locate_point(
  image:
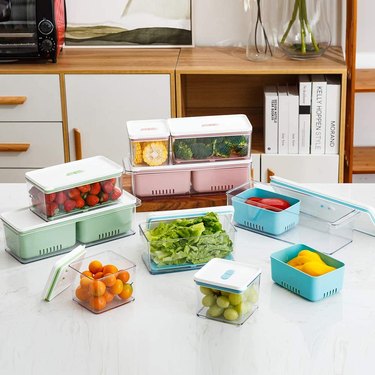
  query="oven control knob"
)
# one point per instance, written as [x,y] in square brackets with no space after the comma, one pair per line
[45,27]
[46,45]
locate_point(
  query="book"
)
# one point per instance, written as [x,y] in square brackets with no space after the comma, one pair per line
[271,120]
[332,138]
[304,123]
[293,100]
[318,113]
[283,145]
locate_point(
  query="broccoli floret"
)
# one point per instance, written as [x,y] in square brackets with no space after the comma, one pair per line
[222,149]
[201,151]
[186,141]
[242,151]
[207,141]
[182,151]
[236,140]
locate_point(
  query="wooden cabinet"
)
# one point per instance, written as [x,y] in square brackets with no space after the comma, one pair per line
[31,129]
[220,80]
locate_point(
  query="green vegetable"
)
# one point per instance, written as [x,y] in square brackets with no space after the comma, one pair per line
[223,149]
[201,150]
[195,241]
[182,150]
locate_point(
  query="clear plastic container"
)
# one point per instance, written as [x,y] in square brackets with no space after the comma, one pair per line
[149,142]
[210,138]
[163,253]
[103,281]
[74,187]
[227,291]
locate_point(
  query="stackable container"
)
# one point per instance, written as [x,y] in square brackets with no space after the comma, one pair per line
[227,291]
[210,138]
[110,287]
[74,187]
[149,142]
[313,288]
[29,238]
[162,255]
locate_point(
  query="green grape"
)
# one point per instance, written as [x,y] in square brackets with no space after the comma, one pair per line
[215,311]
[251,294]
[204,290]
[222,301]
[230,314]
[243,308]
[224,293]
[208,300]
[235,299]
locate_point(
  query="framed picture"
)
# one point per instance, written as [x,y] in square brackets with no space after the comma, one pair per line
[129,23]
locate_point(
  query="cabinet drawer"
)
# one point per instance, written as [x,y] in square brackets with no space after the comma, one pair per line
[31,144]
[301,168]
[41,95]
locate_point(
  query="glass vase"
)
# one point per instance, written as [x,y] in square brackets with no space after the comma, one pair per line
[304,32]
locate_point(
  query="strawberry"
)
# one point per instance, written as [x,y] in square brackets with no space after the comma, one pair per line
[69,205]
[116,194]
[103,197]
[112,181]
[79,202]
[52,209]
[92,200]
[60,197]
[74,193]
[50,197]
[95,188]
[107,186]
[84,188]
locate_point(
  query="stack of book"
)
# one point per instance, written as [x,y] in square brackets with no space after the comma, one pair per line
[303,118]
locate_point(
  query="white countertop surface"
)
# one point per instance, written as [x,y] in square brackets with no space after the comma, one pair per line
[160,333]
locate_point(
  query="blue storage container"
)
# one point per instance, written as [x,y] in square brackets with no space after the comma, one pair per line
[313,288]
[261,219]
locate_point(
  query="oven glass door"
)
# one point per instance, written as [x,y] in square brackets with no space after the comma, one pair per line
[18,33]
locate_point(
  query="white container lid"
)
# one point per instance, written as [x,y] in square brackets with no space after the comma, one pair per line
[227,274]
[209,125]
[75,173]
[147,129]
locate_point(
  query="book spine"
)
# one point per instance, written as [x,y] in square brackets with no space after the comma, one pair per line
[304,126]
[333,118]
[318,115]
[271,121]
[283,145]
[293,121]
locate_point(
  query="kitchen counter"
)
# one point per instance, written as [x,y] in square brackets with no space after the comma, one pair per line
[160,333]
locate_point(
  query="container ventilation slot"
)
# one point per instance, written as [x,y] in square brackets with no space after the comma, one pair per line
[249,224]
[162,192]
[109,234]
[329,293]
[289,287]
[221,187]
[51,249]
[290,226]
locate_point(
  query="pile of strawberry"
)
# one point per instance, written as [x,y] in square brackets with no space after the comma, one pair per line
[80,197]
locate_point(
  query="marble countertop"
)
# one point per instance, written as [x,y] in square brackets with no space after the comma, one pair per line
[160,333]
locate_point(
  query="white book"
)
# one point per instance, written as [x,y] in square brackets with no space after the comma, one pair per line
[333,115]
[283,145]
[293,100]
[271,120]
[304,124]
[318,113]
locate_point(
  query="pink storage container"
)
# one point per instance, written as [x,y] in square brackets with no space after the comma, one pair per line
[220,176]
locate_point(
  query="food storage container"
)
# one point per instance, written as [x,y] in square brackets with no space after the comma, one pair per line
[210,138]
[29,238]
[74,187]
[177,241]
[227,291]
[313,288]
[149,142]
[99,283]
[250,212]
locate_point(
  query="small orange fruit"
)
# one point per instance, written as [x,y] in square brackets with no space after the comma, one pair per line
[98,303]
[85,282]
[95,266]
[87,273]
[109,279]
[110,268]
[123,276]
[127,291]
[98,275]
[117,287]
[96,288]
[82,294]
[108,296]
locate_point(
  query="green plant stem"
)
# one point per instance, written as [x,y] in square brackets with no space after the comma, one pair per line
[291,22]
[303,31]
[304,12]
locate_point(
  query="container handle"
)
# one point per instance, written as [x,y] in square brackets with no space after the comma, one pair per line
[12,100]
[77,143]
[14,147]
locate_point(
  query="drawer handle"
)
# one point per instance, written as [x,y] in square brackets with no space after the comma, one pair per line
[270,173]
[12,100]
[14,147]
[77,143]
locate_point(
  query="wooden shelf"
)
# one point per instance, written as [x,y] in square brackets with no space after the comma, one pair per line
[363,160]
[365,80]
